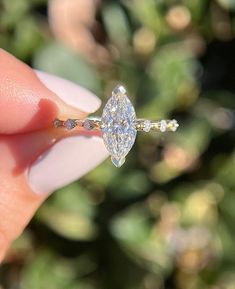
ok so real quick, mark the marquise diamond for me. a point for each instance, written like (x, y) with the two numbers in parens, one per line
(118, 126)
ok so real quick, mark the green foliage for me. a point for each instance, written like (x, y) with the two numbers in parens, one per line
(56, 59)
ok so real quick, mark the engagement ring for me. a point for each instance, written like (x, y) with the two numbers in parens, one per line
(118, 125)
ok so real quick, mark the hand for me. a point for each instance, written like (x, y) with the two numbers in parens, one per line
(35, 158)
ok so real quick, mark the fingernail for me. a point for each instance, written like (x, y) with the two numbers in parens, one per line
(70, 93)
(65, 162)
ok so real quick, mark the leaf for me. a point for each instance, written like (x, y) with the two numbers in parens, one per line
(227, 4)
(69, 213)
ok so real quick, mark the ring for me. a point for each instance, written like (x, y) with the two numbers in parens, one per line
(118, 125)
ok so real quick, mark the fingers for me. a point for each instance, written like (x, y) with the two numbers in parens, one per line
(72, 94)
(24, 184)
(26, 104)
(65, 162)
(37, 161)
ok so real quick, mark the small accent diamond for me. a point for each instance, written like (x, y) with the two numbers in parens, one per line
(163, 125)
(70, 124)
(87, 124)
(147, 125)
(174, 125)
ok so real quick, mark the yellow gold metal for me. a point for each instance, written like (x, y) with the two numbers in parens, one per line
(96, 124)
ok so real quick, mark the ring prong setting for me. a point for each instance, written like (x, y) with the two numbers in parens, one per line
(118, 162)
(119, 90)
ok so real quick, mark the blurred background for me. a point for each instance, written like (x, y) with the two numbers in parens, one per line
(166, 219)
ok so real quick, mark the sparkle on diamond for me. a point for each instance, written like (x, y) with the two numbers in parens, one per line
(118, 127)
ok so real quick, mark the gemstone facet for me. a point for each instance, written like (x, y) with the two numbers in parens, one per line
(118, 126)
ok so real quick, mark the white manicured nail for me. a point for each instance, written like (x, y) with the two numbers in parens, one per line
(70, 93)
(65, 162)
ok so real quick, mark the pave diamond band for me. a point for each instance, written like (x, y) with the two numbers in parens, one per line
(118, 125)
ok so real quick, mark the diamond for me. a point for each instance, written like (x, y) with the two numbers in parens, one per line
(118, 127)
(174, 125)
(147, 125)
(163, 125)
(87, 124)
(70, 124)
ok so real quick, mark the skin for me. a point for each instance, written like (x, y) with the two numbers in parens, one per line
(27, 109)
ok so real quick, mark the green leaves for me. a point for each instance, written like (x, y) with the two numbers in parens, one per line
(49, 270)
(70, 213)
(57, 59)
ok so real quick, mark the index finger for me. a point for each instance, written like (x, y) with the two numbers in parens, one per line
(26, 104)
